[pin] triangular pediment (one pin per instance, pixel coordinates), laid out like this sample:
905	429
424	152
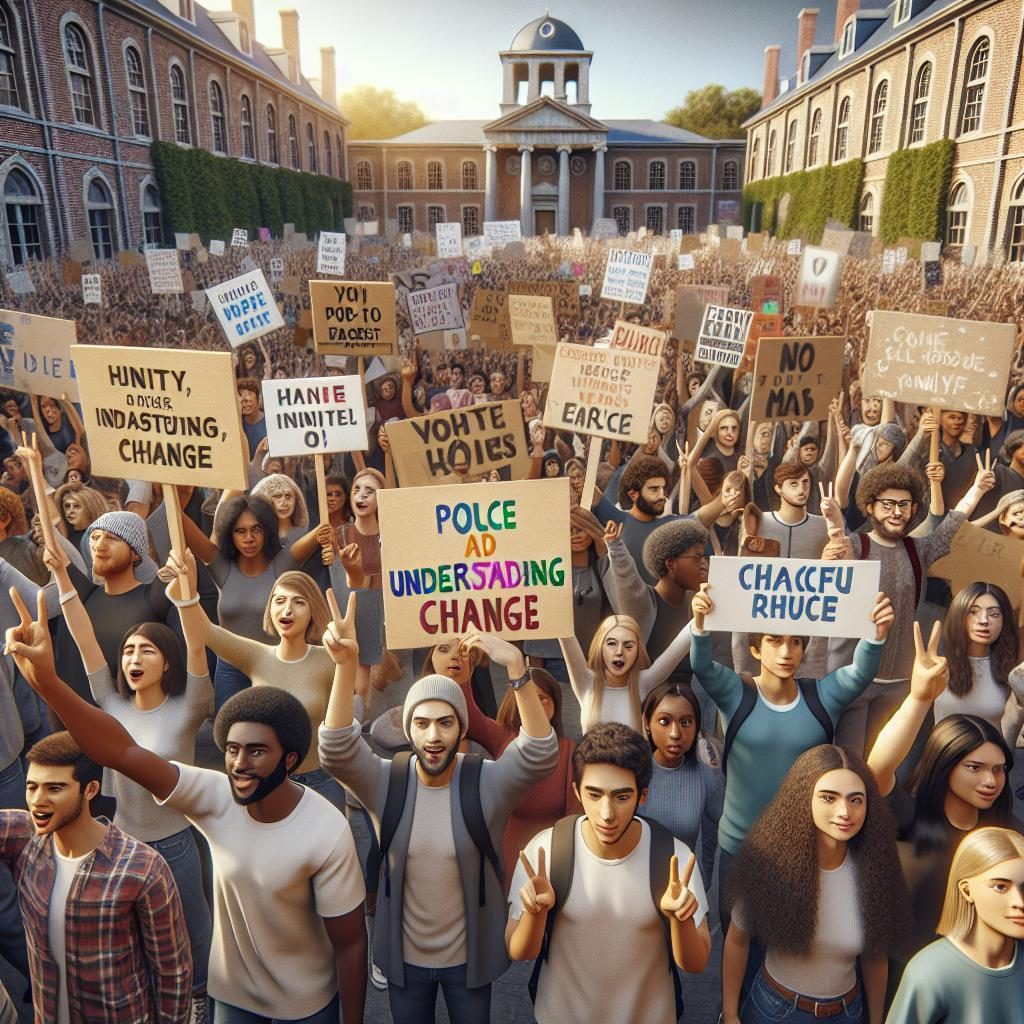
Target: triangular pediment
545	114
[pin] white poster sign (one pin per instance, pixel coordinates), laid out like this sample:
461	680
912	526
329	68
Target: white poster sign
820	272
240	238
317	414
449	239
164	272
723	335
216	246
436	309
330	253
245	307
92	293
501	232
626	275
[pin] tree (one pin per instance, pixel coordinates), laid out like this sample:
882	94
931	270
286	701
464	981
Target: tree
379	113
714	112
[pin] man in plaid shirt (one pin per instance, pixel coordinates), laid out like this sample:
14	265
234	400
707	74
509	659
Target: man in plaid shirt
104	925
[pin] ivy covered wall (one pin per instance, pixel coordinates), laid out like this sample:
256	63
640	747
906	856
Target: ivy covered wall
916	192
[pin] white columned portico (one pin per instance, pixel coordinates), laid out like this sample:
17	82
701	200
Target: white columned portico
599	152
490	182
563	189
525	191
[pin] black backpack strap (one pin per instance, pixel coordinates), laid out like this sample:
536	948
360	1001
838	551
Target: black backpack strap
663	846
741	714
809	691
394	804
473	815
915	564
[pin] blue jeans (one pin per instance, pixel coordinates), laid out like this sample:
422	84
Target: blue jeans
225	1014
765	1006
413	1003
227	681
323	784
182	856
12	931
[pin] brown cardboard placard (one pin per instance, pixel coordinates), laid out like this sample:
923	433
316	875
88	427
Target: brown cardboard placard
755	241
532	319
164	415
730	250
979	555
542	363
766	293
130	258
489	318
353	317
564	295
71	272
796	378
35	353
81	251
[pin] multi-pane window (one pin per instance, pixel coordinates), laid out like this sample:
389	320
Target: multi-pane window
849	38
311	146
769	163
248	138
293	143
956	215
24	211
755	156
687	176
470	176
435	176
366	212
271	134
136	91
151	217
842	131
623	176
878	117
405	220
405	175
790	147
341	156
76	56
328	155
655	220
974	90
686	220
1017	224
919	110
217	122
622	215
179	105
435	216
730	176
656	175
8	62
815	137
101	219
470	221
364	175
867	212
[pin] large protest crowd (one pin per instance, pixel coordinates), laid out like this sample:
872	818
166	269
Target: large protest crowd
827	821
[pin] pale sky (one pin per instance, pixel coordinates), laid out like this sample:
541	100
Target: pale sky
443	53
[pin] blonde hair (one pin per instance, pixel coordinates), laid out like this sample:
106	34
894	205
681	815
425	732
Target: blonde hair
595	661
278	483
306	588
978	851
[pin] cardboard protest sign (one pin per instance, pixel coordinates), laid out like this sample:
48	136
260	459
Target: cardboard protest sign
532	320
730	250
449	239
500	232
626	275
564	295
35	354
276	269
796	378
71	272
755	241
240	238
129	258
938	361
216	246
690	243
489	317
690	302
164	272
820	274
447	446
766	294
330	253
163	415
353	317
792	596
542	363
245	308
794	247
436	309
315	414
92	289
81	251
605	227
455	561
684	261
977	554
607	392
723	335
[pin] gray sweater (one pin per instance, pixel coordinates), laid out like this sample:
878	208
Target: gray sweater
345	755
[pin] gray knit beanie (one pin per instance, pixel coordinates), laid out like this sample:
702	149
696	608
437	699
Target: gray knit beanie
130	528
436	687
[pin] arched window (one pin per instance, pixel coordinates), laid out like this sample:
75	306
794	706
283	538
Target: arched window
100	208
469	176
364	175
956	214
976	77
435	216
769	162
755	157
151	216
815	137
655	220
877	131
687	176
686	219
867	212
136	91
1016	224
435	176
220	135
623	176
179	103
341	156
328	155
24	211
730	177
311	146
405	175
405	219
842	131
623	218
919	111
849	38
8	62
470	221
656	175
248	138
76	58
293	142
271	134
790	156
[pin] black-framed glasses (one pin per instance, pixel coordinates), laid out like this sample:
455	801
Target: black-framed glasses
889	504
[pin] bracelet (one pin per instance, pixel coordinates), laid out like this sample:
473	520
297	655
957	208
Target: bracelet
69	596
183	604
518	684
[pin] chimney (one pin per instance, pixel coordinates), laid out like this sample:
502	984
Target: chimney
771	74
290	37
844	8
807	23
328	76
244	9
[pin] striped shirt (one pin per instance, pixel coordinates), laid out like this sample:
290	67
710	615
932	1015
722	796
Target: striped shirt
128	956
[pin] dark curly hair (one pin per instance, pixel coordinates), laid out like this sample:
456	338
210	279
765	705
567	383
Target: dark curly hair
617	744
638	472
670	541
267	705
775	876
61	750
891	476
11	506
265	516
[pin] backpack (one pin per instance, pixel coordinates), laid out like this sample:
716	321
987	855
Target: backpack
560	871
472	814
809	692
915	561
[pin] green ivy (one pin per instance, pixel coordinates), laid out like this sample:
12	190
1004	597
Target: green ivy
210	195
916	187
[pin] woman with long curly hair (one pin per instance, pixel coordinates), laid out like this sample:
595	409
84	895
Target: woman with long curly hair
817	884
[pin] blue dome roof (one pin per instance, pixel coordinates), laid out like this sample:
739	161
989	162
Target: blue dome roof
546	34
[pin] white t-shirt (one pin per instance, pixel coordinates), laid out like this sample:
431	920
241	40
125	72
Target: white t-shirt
65	868
272	884
608	958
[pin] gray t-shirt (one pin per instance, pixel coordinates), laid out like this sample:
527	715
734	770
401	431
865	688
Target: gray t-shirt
243	599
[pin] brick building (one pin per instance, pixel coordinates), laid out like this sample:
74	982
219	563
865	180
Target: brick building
898	76
86	87
546	161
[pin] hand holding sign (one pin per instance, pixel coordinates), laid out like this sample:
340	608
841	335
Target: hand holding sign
882	615
701	605
339	638
931	672
538	895
679	900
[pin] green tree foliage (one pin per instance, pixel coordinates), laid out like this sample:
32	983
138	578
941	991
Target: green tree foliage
714	112
379	113
916	188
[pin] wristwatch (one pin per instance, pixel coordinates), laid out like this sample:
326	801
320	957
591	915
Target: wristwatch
518	684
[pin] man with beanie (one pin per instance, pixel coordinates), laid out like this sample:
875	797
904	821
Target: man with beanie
441	907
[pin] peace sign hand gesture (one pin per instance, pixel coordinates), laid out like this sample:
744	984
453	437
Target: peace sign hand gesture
679	901
831	511
985	479
29	642
931	672
538	895
339	638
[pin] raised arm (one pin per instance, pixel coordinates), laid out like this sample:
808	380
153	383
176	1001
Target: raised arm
501	652
194	621
73	418
340	643
984	481
202	545
321	537
77	618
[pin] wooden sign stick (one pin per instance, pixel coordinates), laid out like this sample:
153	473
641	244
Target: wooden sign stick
933	456
590	478
176	532
35	472
321	488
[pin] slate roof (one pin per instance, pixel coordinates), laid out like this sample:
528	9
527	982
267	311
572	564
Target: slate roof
557	36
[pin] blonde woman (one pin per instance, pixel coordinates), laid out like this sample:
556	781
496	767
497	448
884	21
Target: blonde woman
290	506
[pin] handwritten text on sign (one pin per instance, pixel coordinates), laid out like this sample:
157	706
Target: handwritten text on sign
162	415
498	563
723	335
330	253
245	307
532	319
792	596
435	309
934	360
354	317
319	414
796	378
164	271
35	354
501	232
626	275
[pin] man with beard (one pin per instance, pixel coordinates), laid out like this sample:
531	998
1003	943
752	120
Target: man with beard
105	928
800	534
254	423
288	891
441	816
